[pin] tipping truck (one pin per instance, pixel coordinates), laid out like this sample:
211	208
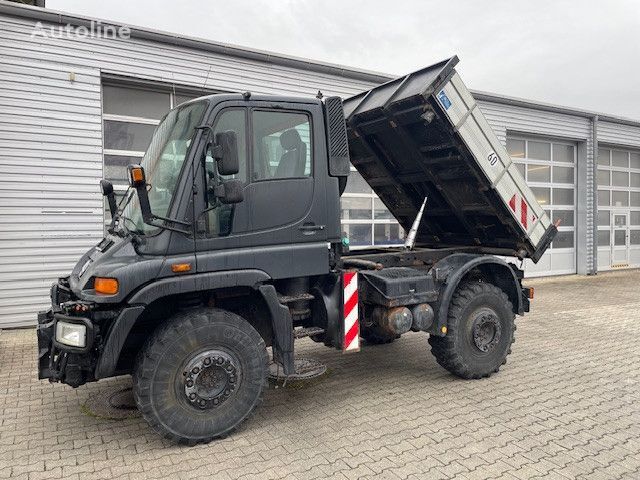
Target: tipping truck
229	241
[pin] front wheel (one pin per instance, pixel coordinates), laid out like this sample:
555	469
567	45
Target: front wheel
480	331
200	375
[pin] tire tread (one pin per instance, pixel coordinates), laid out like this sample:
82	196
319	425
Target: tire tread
446	350
150	353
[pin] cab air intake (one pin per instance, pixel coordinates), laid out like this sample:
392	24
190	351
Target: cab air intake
338	146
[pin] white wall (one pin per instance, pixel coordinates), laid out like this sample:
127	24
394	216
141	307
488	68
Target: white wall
51	141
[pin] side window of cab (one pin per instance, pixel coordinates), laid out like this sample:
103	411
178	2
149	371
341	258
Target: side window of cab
281	145
219	217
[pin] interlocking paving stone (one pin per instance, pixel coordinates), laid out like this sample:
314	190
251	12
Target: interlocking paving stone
566	405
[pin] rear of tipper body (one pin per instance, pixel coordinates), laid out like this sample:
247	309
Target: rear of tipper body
423	135
190	309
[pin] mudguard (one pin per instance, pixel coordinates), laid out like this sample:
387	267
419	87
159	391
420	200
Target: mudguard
452	269
197	283
161	288
282	324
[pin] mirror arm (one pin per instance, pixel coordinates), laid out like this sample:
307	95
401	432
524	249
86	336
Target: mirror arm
208	128
151	219
216	151
205	127
113	206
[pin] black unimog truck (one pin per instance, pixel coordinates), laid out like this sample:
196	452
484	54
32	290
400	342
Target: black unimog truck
229	241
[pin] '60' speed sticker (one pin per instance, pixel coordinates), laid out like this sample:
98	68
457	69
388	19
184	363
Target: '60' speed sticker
493	158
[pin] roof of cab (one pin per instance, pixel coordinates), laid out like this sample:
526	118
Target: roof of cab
225	97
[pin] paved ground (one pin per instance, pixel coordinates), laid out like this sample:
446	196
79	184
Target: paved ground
567	405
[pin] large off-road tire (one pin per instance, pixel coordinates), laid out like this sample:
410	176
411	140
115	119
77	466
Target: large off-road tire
376	336
200	375
480	331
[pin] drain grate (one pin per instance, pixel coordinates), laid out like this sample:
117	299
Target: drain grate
306	369
113	405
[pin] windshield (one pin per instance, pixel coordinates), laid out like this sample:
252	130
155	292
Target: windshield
163	162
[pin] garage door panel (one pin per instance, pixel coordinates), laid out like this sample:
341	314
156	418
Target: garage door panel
550	168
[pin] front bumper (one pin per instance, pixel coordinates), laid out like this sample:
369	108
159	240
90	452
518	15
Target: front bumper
46	332
62	363
106	332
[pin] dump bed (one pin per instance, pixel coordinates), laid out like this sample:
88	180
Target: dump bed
423	135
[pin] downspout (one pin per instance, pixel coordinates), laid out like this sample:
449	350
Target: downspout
593	269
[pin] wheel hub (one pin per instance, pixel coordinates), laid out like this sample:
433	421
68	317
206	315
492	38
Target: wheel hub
210	378
486	331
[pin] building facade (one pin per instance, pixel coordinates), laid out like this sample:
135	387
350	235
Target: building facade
74	110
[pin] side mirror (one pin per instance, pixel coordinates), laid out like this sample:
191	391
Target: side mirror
225	151
229	192
107	190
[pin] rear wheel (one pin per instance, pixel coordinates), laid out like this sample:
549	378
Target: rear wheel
480	331
200	375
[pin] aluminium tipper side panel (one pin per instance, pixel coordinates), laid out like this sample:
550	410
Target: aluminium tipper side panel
463	112
424	136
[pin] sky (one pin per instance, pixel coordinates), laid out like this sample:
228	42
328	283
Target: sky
583	54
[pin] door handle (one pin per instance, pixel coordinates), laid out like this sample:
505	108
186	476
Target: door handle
309	228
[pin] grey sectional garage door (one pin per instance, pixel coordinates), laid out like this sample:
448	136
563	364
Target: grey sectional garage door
549	167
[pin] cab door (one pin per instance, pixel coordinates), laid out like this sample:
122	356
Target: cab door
280	226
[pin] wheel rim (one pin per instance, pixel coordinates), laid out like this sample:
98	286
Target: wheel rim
210	378
486	330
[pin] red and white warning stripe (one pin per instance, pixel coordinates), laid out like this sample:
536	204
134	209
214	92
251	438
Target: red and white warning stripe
521	209
351	341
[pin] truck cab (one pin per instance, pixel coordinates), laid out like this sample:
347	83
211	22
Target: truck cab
229	242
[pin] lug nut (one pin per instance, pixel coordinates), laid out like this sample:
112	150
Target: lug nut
189	383
216	401
207	361
195	370
192	396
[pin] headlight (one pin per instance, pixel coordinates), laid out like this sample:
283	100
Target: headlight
72	334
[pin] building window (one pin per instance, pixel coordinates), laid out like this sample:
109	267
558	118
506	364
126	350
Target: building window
130	115
618	180
365	219
549	169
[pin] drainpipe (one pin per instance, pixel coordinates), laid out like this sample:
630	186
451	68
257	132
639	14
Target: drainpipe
593	270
